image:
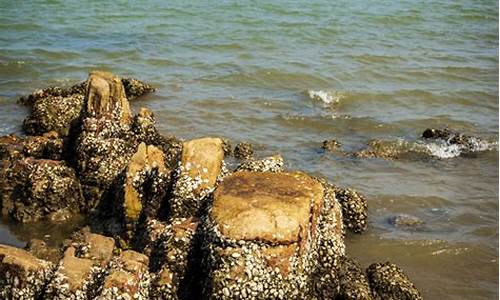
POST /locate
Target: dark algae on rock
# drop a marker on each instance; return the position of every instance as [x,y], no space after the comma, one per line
[167,219]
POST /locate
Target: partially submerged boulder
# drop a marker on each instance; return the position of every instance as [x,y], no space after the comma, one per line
[243,151]
[36,189]
[331,145]
[273,164]
[200,166]
[135,88]
[22,275]
[263,234]
[388,281]
[353,284]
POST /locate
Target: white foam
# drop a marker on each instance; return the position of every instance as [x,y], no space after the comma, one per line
[444,149]
[327,97]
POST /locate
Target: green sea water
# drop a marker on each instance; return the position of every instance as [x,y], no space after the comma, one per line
[243,69]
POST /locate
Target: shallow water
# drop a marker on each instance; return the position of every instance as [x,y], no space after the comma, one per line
[243,71]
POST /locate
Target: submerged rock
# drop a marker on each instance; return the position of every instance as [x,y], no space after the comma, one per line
[404,220]
[201,164]
[36,189]
[23,276]
[331,145]
[388,281]
[243,151]
[263,234]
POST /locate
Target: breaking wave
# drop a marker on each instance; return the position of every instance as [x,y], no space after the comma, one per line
[327,97]
[445,149]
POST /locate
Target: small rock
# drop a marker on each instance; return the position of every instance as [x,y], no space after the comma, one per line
[243,151]
[388,281]
[404,220]
[331,145]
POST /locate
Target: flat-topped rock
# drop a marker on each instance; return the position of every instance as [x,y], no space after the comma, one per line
[22,275]
[272,207]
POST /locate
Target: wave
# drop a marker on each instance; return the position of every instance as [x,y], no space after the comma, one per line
[327,97]
[445,149]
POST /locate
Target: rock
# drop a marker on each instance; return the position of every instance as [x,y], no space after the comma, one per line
[354,209]
[75,278]
[41,250]
[404,220]
[388,281]
[331,145]
[128,278]
[54,113]
[36,189]
[48,146]
[200,166]
[171,257]
[54,91]
[106,96]
[432,133]
[135,88]
[353,282]
[267,229]
[93,246]
[269,164]
[384,149]
[243,151]
[23,276]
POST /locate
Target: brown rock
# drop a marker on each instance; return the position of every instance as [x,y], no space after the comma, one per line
[106,95]
[93,246]
[388,281]
[22,275]
[273,208]
[41,250]
[201,164]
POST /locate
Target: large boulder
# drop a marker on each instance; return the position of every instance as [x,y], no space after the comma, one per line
[263,235]
[388,281]
[200,166]
[35,189]
[22,275]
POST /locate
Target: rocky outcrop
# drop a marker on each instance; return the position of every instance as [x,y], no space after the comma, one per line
[48,146]
[388,281]
[23,276]
[36,189]
[196,177]
[263,234]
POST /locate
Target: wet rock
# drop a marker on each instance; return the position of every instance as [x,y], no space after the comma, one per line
[41,250]
[331,145]
[388,281]
[171,258]
[200,166]
[353,282]
[405,220]
[383,149]
[106,96]
[354,209]
[243,151]
[135,88]
[36,189]
[432,133]
[268,164]
[54,91]
[262,236]
[75,278]
[48,146]
[22,275]
[128,278]
[226,145]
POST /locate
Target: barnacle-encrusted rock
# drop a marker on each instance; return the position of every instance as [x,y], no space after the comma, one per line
[93,246]
[54,91]
[352,281]
[273,163]
[201,164]
[135,88]
[41,250]
[48,146]
[354,209]
[464,142]
[263,234]
[171,257]
[75,278]
[37,189]
[384,149]
[388,281]
[54,113]
[243,151]
[128,278]
[405,221]
[106,95]
[22,275]
[331,145]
